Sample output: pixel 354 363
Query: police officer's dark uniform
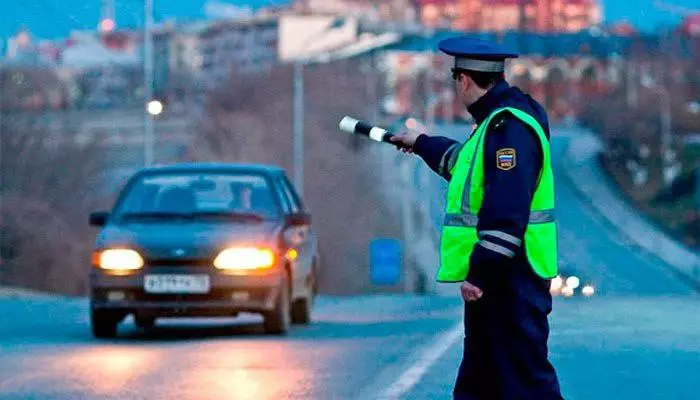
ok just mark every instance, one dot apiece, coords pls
pixel 505 349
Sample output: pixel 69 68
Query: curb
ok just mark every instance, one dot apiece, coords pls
pixel 627 220
pixel 15 292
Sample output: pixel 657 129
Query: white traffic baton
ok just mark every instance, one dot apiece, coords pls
pixel 364 128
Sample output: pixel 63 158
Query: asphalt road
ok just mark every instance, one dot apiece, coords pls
pixel 638 338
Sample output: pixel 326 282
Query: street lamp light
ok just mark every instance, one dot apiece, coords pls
pixel 148 84
pixel 154 107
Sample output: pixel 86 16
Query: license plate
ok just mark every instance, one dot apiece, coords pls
pixel 176 283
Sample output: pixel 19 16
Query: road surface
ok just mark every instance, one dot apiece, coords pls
pixel 638 338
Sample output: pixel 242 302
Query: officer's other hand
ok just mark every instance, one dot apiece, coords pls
pixel 407 139
pixel 470 292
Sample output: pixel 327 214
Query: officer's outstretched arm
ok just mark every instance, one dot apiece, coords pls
pixel 512 162
pixel 438 152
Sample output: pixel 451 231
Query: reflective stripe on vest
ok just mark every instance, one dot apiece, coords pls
pixel 470 220
pixel 464 198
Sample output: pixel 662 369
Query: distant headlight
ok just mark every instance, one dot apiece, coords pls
pixel 556 284
pixel 566 291
pixel 573 282
pixel 245 259
pixel 119 260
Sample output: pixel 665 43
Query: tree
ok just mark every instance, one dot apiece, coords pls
pixel 47 191
pixel 249 119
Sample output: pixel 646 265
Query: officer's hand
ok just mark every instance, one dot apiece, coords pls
pixel 407 139
pixel 470 292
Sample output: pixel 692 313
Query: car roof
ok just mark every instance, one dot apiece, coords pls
pixel 212 167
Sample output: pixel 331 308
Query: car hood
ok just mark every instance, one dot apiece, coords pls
pixel 186 239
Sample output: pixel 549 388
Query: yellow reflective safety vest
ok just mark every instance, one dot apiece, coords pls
pixel 465 195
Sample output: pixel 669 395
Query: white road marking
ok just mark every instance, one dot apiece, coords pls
pixel 420 365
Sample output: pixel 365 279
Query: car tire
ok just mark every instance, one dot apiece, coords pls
pixel 144 321
pixel 302 308
pixel 301 311
pixel 104 323
pixel 277 320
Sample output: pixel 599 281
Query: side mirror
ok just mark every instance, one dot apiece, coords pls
pixel 99 218
pixel 297 231
pixel 300 218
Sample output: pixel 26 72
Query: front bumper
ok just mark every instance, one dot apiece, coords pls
pixel 228 294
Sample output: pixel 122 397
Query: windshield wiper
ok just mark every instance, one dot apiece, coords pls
pixel 239 216
pixel 156 215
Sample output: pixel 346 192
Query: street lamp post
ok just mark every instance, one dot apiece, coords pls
pixel 694 108
pixel 298 127
pixel 148 83
pixel 2 221
pixel 631 87
pixel 666 124
pixel 298 107
pixel 371 86
pixel 666 116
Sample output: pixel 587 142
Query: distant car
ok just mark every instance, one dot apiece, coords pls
pixel 204 240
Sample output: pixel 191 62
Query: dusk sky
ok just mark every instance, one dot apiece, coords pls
pixel 56 18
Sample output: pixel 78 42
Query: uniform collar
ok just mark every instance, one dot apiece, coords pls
pixel 487 103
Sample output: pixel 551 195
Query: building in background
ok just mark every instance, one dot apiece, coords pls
pixel 19 45
pixel 622 28
pixel 385 10
pixel 245 45
pixel 691 24
pixel 177 62
pixel 542 16
pixel 23 48
pixel 308 35
pixel 560 70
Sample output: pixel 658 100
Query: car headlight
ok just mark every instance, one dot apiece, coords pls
pixel 245 259
pixel 118 260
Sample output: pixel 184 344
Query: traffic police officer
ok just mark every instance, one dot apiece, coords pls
pixel 499 235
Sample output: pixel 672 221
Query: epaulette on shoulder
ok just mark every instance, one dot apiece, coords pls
pixel 499 120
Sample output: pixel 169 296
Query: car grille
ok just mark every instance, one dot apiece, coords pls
pixel 179 262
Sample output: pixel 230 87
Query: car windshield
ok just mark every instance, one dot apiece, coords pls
pixel 197 195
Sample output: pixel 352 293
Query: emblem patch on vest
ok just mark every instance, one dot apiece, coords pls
pixel 505 159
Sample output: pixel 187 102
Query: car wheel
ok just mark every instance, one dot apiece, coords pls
pixel 301 308
pixel 301 311
pixel 104 323
pixel 144 321
pixel 277 320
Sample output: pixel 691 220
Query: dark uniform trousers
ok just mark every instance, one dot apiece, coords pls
pixel 505 348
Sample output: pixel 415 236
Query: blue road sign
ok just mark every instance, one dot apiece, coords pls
pixel 385 261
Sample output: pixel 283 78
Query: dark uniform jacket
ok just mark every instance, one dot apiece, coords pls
pixel 508 193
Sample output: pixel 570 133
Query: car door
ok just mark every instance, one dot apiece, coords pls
pixel 306 247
